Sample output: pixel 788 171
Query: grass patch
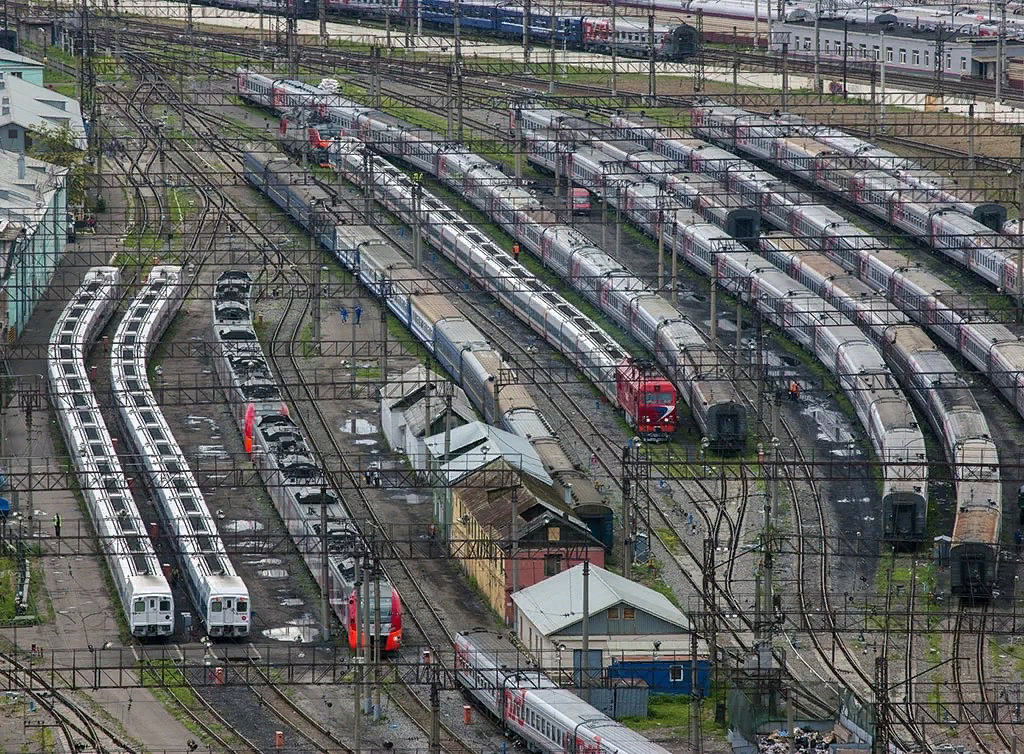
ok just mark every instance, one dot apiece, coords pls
pixel 674 711
pixel 670 540
pixel 650 575
pixel 8 587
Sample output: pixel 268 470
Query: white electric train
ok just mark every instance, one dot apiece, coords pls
pixel 146 600
pixel 217 592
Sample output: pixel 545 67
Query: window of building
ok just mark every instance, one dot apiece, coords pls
pixel 552 565
pixel 949 61
pixel 927 59
pixel 12 133
pixel 917 57
pixel 963 64
pixel 807 43
pixel 903 55
pixel 888 54
pixel 675 673
pixel 629 613
pixel 613 613
pixel 17 74
pixel 878 55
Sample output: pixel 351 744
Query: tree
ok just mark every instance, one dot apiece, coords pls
pixel 60 147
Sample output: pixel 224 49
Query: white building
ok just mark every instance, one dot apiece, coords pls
pixel 404 407
pixel 33 234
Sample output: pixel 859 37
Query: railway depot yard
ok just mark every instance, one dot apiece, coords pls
pixel 373 385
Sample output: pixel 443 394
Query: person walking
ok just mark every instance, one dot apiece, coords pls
pixel 358 312
pixel 1018 540
pixel 344 315
pixel 56 525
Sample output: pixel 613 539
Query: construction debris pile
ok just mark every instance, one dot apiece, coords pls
pixel 806 742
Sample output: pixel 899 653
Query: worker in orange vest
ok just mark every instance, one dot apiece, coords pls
pixel 515 251
pixel 794 390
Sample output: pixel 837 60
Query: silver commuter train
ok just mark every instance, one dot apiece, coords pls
pixel 216 591
pixel 992 348
pixel 292 474
pixel 704 382
pixel 146 600
pixel 882 408
pixel 457 344
pixel 933 381
pixel 978 247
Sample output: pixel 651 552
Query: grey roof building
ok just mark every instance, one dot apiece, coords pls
pixel 627 619
pixel 26 107
pixel 404 404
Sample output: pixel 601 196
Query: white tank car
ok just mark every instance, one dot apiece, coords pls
pixel 145 596
pixel 933 382
pixel 218 594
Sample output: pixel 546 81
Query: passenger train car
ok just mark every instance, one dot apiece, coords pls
pixel 146 600
pixel 297 483
pixel 946 398
pixel 863 155
pixel 528 704
pixel 220 597
pixel 456 343
pixel 962 238
pixel 992 348
pixel 704 383
pixel 887 418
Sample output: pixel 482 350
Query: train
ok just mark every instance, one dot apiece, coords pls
pixel 219 595
pixel 992 348
pixel 925 298
pixel 146 601
pixel 934 382
pixel 450 337
pixel 496 675
pixel 964 238
pixel 887 419
pixel 295 479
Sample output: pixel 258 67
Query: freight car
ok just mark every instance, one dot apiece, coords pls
pixel 220 597
pixel 146 600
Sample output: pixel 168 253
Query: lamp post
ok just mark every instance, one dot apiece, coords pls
pixel 704 444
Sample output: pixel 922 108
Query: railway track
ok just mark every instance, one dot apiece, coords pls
pixel 78 727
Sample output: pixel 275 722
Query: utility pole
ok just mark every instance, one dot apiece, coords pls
pixel 586 631
pixel 651 92
pixel 368 571
pixel 377 635
pixel 661 239
pixel 699 74
pixel 817 52
pixel 785 72
pixel 695 738
pixel 628 501
pixel 714 305
pixel 885 57
pixel 325 606
pixel 551 54
pixel 970 151
pixel 321 8
pixel 1020 234
pixel 312 241
pixel 417 238
pixel 757 26
pixel 615 46
pixel 881 741
pixel 434 746
pixel 357 725
pixel 458 65
pixel 367 184
pixel 999 51
pixel 526 32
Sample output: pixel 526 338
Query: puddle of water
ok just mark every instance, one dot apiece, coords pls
pixel 195 422
pixel 292 602
pixel 265 562
pixel 300 631
pixel 358 427
pixel 243 527
pixel 410 498
pixel 364 442
pixel 213 451
pixel 273 573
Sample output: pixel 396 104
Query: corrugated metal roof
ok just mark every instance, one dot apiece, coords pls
pixel 557 602
pixel 410 381
pixel 37 108
pixel 476 444
pixel 416 414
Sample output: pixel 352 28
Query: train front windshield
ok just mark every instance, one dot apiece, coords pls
pixel 660 399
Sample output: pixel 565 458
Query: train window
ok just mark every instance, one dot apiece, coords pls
pixel 215 606
pixel 165 605
pixel 140 606
pixel 152 604
pixel 227 604
pixel 242 606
